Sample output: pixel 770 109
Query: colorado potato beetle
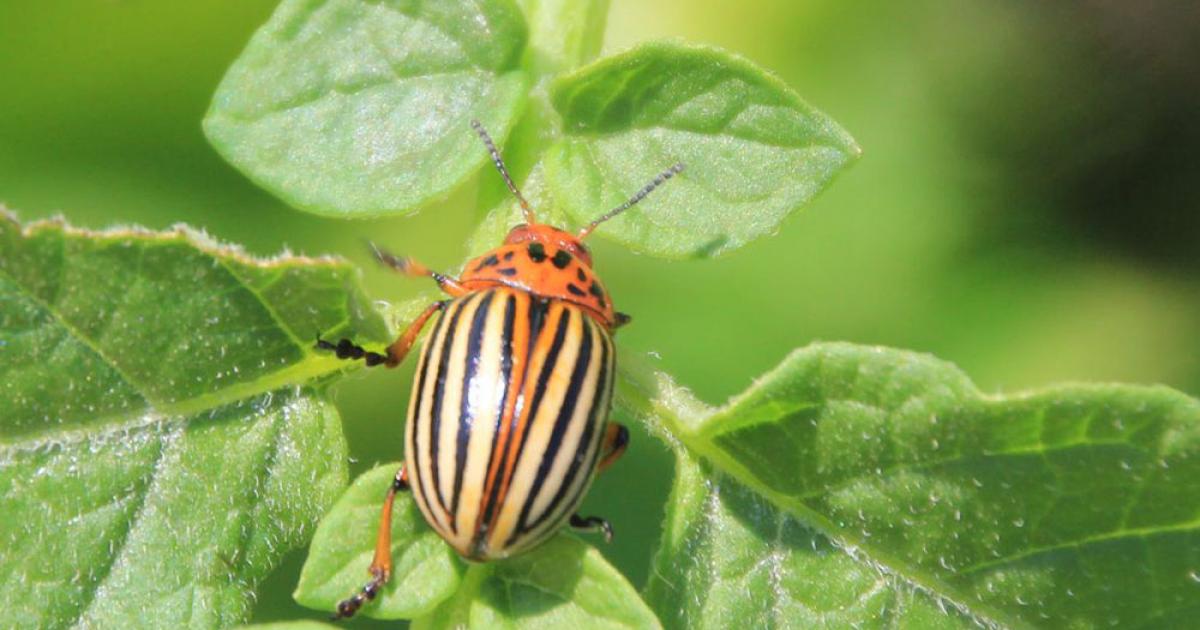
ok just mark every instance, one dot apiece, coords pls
pixel 508 418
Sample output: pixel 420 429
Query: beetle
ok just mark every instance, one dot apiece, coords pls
pixel 507 423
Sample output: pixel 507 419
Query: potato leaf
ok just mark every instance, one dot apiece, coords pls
pixel 1073 506
pixel 731 558
pixel 163 441
pixel 754 152
pixel 354 108
pixel 562 584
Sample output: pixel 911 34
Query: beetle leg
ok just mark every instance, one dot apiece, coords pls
pixel 410 267
pixel 592 524
pixel 620 319
pixel 396 352
pixel 381 564
pixel 616 438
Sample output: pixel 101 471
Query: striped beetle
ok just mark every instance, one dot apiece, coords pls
pixel 508 418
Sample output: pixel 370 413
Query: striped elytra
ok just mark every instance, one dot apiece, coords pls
pixel 505 422
pixel 508 418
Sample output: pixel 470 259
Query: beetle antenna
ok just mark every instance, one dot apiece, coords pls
pixel 499 162
pixel 641 194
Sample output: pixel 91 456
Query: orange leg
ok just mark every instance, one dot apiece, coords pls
pixel 616 438
pixel 412 268
pixel 381 564
pixel 396 352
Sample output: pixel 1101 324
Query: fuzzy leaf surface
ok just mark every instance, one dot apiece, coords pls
pixel 754 151
pixel 730 558
pixel 1073 506
pixel 162 440
pixel 565 583
pixel 357 108
pixel 298 624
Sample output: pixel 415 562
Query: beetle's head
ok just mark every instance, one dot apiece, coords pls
pixel 550 236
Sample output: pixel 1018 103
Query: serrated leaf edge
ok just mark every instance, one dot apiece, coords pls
pixel 312 368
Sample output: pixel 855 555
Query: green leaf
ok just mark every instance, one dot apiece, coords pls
pixel 425 571
pixel 754 151
pixel 731 558
pixel 359 108
pixel 161 446
pixel 299 624
pixel 1067 507
pixel 562 584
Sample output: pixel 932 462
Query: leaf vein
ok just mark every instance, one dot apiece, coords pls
pixel 957 458
pixel 165 441
pixel 87 342
pixel 305 349
pixel 1080 544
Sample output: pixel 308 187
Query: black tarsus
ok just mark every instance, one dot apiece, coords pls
pixel 622 439
pixel 346 349
pixel 592 524
pixel 347 607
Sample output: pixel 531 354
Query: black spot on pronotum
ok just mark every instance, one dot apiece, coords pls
pixel 562 258
pixel 597 292
pixel 507 271
pixel 490 261
pixel 537 252
pixel 579 274
pixel 508 256
pixel 575 290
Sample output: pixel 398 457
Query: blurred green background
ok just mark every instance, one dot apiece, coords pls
pixel 1027 205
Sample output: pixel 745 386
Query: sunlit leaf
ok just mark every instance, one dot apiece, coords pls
pixel 302 624
pixel 161 441
pixel 357 108
pixel 754 152
pixel 562 584
pixel 730 558
pixel 1069 507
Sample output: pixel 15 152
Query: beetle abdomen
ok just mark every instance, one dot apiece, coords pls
pixel 506 418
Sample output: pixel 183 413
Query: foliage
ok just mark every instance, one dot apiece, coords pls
pixel 164 436
pixel 754 151
pixel 355 107
pixel 166 429
pixel 869 487
pixel 350 108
